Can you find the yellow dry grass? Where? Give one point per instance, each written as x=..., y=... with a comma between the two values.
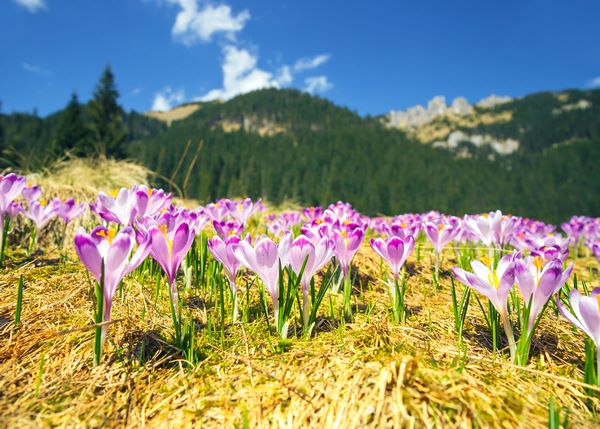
x=175, y=114
x=366, y=373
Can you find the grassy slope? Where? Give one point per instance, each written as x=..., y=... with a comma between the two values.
x=366, y=373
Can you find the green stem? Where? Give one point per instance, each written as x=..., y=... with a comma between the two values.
x=598, y=365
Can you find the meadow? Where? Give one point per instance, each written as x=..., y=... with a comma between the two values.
x=123, y=306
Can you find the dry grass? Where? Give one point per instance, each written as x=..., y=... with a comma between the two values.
x=368, y=373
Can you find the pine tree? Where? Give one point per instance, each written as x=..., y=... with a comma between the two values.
x=108, y=127
x=73, y=133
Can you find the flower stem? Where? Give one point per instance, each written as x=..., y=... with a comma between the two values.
x=509, y=334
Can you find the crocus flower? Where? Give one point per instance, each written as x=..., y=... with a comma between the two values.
x=264, y=259
x=442, y=233
x=228, y=228
x=316, y=256
x=217, y=211
x=242, y=210
x=150, y=201
x=586, y=311
x=31, y=193
x=312, y=213
x=585, y=316
x=42, y=212
x=171, y=240
x=14, y=208
x=122, y=209
x=394, y=251
x=495, y=285
x=537, y=281
x=11, y=186
x=69, y=210
x=492, y=228
x=222, y=251
x=346, y=243
x=113, y=249
x=596, y=250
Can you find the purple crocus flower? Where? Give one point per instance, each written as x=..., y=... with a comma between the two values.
x=150, y=201
x=114, y=250
x=312, y=213
x=121, y=209
x=242, y=210
x=171, y=240
x=537, y=281
x=228, y=228
x=31, y=193
x=222, y=251
x=596, y=250
x=495, y=285
x=11, y=186
x=347, y=241
x=492, y=228
x=316, y=255
x=585, y=316
x=263, y=259
x=69, y=210
x=14, y=208
x=442, y=233
x=42, y=212
x=394, y=251
x=217, y=211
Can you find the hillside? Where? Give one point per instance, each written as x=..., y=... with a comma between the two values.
x=287, y=145
x=283, y=144
x=524, y=125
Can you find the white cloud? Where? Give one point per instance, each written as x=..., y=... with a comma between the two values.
x=315, y=84
x=311, y=63
x=36, y=69
x=32, y=6
x=594, y=83
x=166, y=99
x=241, y=75
x=195, y=24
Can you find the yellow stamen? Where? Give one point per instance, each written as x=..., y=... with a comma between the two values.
x=230, y=233
x=114, y=193
x=109, y=235
x=43, y=203
x=319, y=221
x=538, y=262
x=598, y=301
x=440, y=227
x=150, y=191
x=486, y=215
x=163, y=229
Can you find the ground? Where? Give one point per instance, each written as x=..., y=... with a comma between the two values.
x=369, y=372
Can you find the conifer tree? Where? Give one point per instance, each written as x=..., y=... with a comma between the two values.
x=73, y=133
x=106, y=116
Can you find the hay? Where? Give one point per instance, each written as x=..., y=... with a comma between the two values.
x=368, y=373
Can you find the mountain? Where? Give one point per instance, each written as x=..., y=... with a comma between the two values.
x=524, y=125
x=284, y=144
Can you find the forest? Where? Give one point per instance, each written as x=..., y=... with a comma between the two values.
x=285, y=145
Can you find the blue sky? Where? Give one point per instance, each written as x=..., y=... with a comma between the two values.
x=370, y=56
